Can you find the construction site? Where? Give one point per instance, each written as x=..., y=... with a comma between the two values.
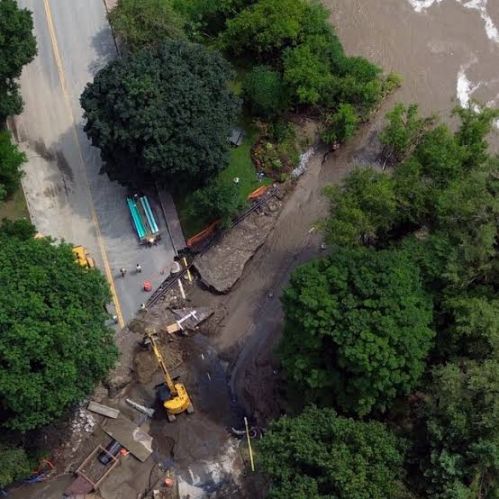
x=197, y=379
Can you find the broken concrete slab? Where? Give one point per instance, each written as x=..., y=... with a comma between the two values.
x=103, y=410
x=223, y=264
x=130, y=436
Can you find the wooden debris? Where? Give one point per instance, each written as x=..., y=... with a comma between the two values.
x=173, y=328
x=104, y=410
x=190, y=318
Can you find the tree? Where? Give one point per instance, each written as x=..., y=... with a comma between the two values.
x=14, y=465
x=461, y=419
x=17, y=48
x=217, y=201
x=264, y=92
x=207, y=18
x=472, y=135
x=142, y=23
x=266, y=27
x=341, y=125
x=308, y=68
x=357, y=328
x=362, y=209
x=472, y=327
x=320, y=455
x=403, y=132
x=11, y=160
x=54, y=345
x=359, y=83
x=163, y=112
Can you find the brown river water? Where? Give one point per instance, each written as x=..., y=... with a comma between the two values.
x=446, y=50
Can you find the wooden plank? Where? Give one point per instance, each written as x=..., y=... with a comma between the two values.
x=104, y=410
x=130, y=436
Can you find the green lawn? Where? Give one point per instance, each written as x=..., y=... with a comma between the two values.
x=240, y=165
x=14, y=208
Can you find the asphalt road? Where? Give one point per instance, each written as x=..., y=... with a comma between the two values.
x=67, y=197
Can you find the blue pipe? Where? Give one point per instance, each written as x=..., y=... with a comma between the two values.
x=149, y=215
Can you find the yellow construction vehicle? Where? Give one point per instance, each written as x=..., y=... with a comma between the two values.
x=83, y=257
x=173, y=396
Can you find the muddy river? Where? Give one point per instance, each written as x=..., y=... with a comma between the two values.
x=446, y=50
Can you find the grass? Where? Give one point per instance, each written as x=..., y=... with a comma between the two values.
x=241, y=166
x=15, y=207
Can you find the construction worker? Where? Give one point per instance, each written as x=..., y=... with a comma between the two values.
x=138, y=268
x=123, y=271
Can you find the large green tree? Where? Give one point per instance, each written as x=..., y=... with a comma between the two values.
x=141, y=23
x=362, y=209
x=357, y=328
x=462, y=420
x=163, y=112
x=404, y=130
x=17, y=48
x=54, y=345
x=321, y=455
x=11, y=159
x=266, y=27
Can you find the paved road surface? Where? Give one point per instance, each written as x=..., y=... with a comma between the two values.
x=66, y=196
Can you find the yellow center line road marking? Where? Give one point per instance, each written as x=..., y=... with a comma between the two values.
x=60, y=70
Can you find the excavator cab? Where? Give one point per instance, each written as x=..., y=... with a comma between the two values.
x=174, y=404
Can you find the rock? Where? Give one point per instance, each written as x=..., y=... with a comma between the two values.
x=117, y=382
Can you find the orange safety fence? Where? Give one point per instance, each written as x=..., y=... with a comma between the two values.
x=258, y=192
x=203, y=235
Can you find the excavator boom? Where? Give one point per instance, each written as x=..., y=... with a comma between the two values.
x=178, y=400
x=166, y=375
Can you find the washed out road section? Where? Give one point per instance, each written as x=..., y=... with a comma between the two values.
x=67, y=196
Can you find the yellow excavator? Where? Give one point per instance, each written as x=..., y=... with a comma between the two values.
x=173, y=396
x=82, y=257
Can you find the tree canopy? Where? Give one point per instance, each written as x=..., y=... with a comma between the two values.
x=321, y=455
x=216, y=201
x=266, y=27
x=11, y=159
x=17, y=48
x=142, y=23
x=54, y=345
x=164, y=112
x=264, y=92
x=357, y=328
x=462, y=417
x=362, y=209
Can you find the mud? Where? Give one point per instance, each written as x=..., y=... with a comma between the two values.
x=446, y=55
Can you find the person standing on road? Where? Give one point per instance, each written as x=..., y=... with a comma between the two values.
x=138, y=268
x=123, y=271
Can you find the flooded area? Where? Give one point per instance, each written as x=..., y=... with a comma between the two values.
x=448, y=53
x=446, y=50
